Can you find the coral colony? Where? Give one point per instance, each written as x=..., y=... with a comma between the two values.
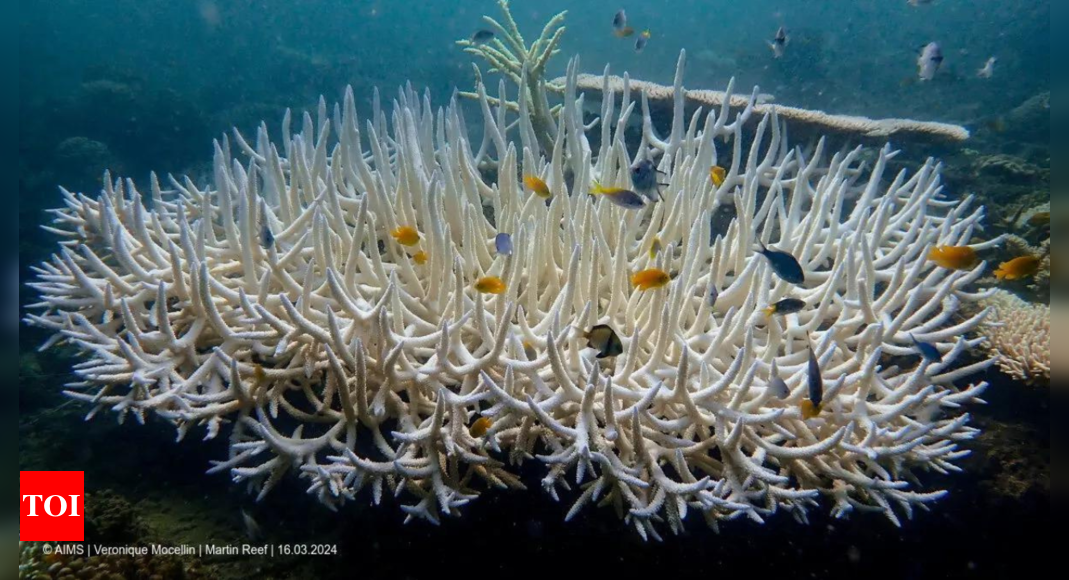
x=334, y=305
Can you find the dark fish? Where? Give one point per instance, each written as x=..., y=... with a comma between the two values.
x=619, y=21
x=482, y=36
x=640, y=42
x=785, y=307
x=776, y=385
x=644, y=177
x=816, y=381
x=779, y=43
x=927, y=350
x=603, y=339
x=503, y=244
x=784, y=265
x=267, y=239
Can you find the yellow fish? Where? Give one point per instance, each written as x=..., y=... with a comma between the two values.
x=1018, y=268
x=809, y=409
x=650, y=279
x=655, y=247
x=954, y=257
x=538, y=186
x=490, y=285
x=480, y=426
x=420, y=257
x=624, y=32
x=717, y=175
x=406, y=235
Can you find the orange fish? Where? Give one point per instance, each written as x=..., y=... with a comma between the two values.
x=717, y=175
x=954, y=257
x=1018, y=268
x=420, y=257
x=406, y=235
x=624, y=32
x=809, y=409
x=649, y=279
x=538, y=186
x=480, y=426
x=490, y=285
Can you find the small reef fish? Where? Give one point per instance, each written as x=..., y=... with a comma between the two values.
x=405, y=235
x=776, y=385
x=529, y=351
x=650, y=279
x=640, y=42
x=655, y=247
x=490, y=285
x=988, y=69
x=267, y=239
x=624, y=32
x=954, y=257
x=929, y=61
x=644, y=177
x=503, y=244
x=603, y=339
x=779, y=43
x=712, y=297
x=785, y=307
x=538, y=186
x=624, y=198
x=784, y=265
x=482, y=36
x=927, y=350
x=717, y=175
x=811, y=406
x=1040, y=219
x=480, y=426
x=252, y=529
x=620, y=29
x=1018, y=268
x=420, y=258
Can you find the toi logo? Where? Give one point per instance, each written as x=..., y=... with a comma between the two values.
x=52, y=506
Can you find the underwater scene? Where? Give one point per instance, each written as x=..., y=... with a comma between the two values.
x=370, y=289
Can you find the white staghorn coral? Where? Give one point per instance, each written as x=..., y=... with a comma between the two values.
x=326, y=350
x=1019, y=336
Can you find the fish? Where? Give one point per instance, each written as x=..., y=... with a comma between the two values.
x=406, y=235
x=503, y=244
x=482, y=36
x=655, y=247
x=252, y=529
x=267, y=238
x=644, y=178
x=623, y=32
x=785, y=307
x=420, y=258
x=988, y=69
x=538, y=186
x=712, y=296
x=1041, y=218
x=954, y=257
x=490, y=285
x=775, y=384
x=1018, y=268
x=927, y=350
x=480, y=426
x=619, y=20
x=650, y=279
x=624, y=198
x=811, y=407
x=717, y=175
x=784, y=265
x=529, y=351
x=929, y=61
x=780, y=42
x=640, y=42
x=603, y=339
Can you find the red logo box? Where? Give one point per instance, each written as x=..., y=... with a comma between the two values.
x=52, y=506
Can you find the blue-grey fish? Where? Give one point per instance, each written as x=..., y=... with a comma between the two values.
x=785, y=307
x=482, y=36
x=779, y=43
x=624, y=198
x=619, y=20
x=811, y=407
x=644, y=178
x=989, y=69
x=712, y=297
x=929, y=61
x=643, y=38
x=252, y=529
x=603, y=339
x=927, y=350
x=503, y=244
x=267, y=239
x=776, y=385
x=784, y=265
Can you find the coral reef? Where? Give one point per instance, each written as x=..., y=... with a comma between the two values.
x=275, y=308
x=38, y=561
x=1018, y=334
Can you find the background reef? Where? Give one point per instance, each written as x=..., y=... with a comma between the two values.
x=138, y=86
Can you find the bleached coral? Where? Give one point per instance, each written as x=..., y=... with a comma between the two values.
x=1019, y=336
x=324, y=349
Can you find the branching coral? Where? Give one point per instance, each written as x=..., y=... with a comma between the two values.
x=274, y=308
x=1019, y=335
